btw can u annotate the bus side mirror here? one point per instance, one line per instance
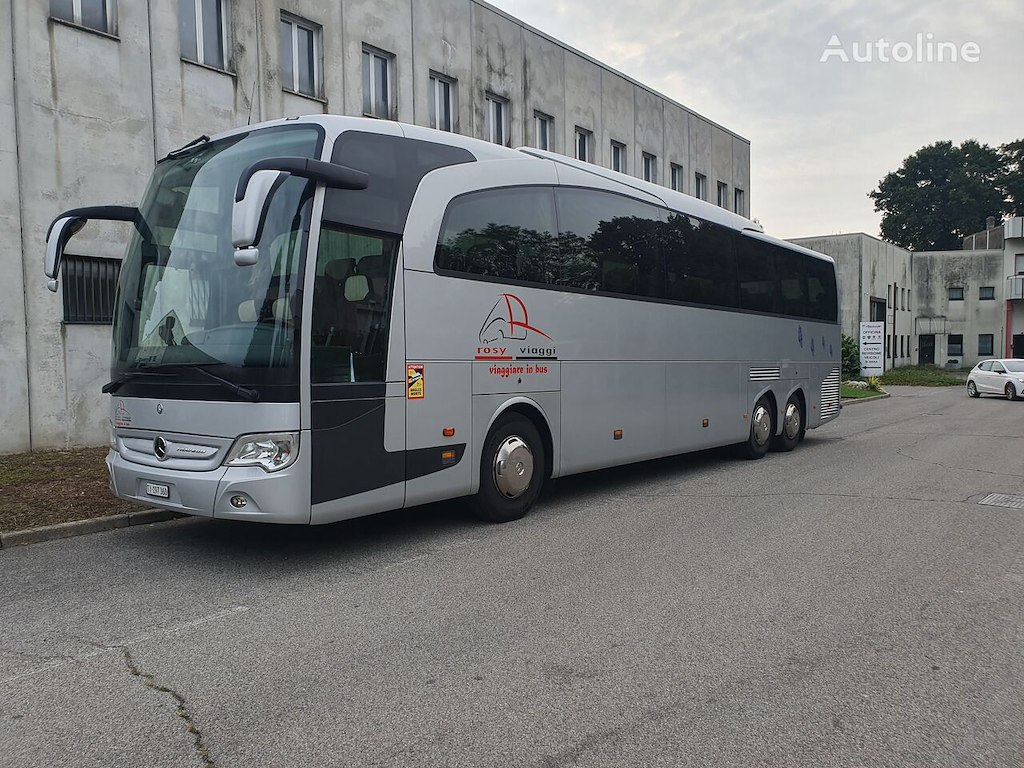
(67, 225)
(250, 212)
(259, 182)
(62, 230)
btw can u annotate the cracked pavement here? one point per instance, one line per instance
(848, 604)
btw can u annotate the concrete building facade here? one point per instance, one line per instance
(93, 92)
(945, 308)
(875, 282)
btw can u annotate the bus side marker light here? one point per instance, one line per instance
(617, 434)
(706, 423)
(448, 458)
(448, 431)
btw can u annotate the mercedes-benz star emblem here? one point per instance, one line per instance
(160, 448)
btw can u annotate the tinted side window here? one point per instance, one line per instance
(502, 233)
(757, 277)
(395, 166)
(609, 243)
(789, 267)
(822, 301)
(700, 260)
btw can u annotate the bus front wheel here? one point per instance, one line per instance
(762, 430)
(511, 470)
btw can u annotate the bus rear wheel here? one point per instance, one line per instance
(762, 429)
(511, 470)
(793, 426)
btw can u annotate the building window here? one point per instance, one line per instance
(619, 157)
(650, 168)
(675, 177)
(700, 186)
(956, 344)
(497, 121)
(739, 204)
(300, 56)
(901, 346)
(203, 30)
(985, 341)
(444, 102)
(723, 195)
(956, 294)
(987, 293)
(544, 131)
(94, 14)
(583, 139)
(378, 79)
(89, 286)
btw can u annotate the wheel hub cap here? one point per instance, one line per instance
(762, 424)
(513, 467)
(791, 424)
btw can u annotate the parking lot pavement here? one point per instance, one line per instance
(848, 604)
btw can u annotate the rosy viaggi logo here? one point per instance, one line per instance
(923, 49)
(508, 321)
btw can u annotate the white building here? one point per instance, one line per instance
(93, 92)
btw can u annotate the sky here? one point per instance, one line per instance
(823, 133)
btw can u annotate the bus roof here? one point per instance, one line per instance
(334, 125)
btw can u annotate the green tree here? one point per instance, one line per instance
(1013, 179)
(851, 357)
(941, 194)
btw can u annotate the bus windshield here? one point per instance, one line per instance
(182, 301)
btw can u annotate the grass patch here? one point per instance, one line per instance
(848, 393)
(47, 487)
(921, 376)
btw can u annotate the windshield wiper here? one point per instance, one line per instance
(195, 143)
(112, 386)
(245, 393)
(252, 395)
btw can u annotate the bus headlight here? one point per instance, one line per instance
(271, 452)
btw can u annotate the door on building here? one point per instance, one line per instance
(926, 349)
(1018, 345)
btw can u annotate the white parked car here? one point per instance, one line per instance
(997, 377)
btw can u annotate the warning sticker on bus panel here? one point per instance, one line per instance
(414, 381)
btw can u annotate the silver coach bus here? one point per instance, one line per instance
(329, 317)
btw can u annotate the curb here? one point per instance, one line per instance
(82, 527)
(852, 400)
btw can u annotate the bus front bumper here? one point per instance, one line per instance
(227, 493)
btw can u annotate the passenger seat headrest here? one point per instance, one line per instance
(356, 288)
(247, 311)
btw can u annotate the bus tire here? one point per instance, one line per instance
(793, 426)
(511, 470)
(762, 430)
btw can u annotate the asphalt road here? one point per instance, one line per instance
(848, 604)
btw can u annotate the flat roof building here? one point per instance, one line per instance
(92, 93)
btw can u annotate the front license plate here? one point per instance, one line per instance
(158, 490)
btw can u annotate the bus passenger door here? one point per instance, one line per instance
(357, 382)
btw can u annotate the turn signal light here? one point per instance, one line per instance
(617, 434)
(448, 431)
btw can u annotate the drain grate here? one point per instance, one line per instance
(1003, 500)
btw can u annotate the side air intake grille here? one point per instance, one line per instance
(764, 374)
(830, 395)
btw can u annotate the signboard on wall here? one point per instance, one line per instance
(872, 349)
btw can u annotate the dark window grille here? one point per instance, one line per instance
(89, 287)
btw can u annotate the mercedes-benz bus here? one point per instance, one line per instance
(327, 317)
